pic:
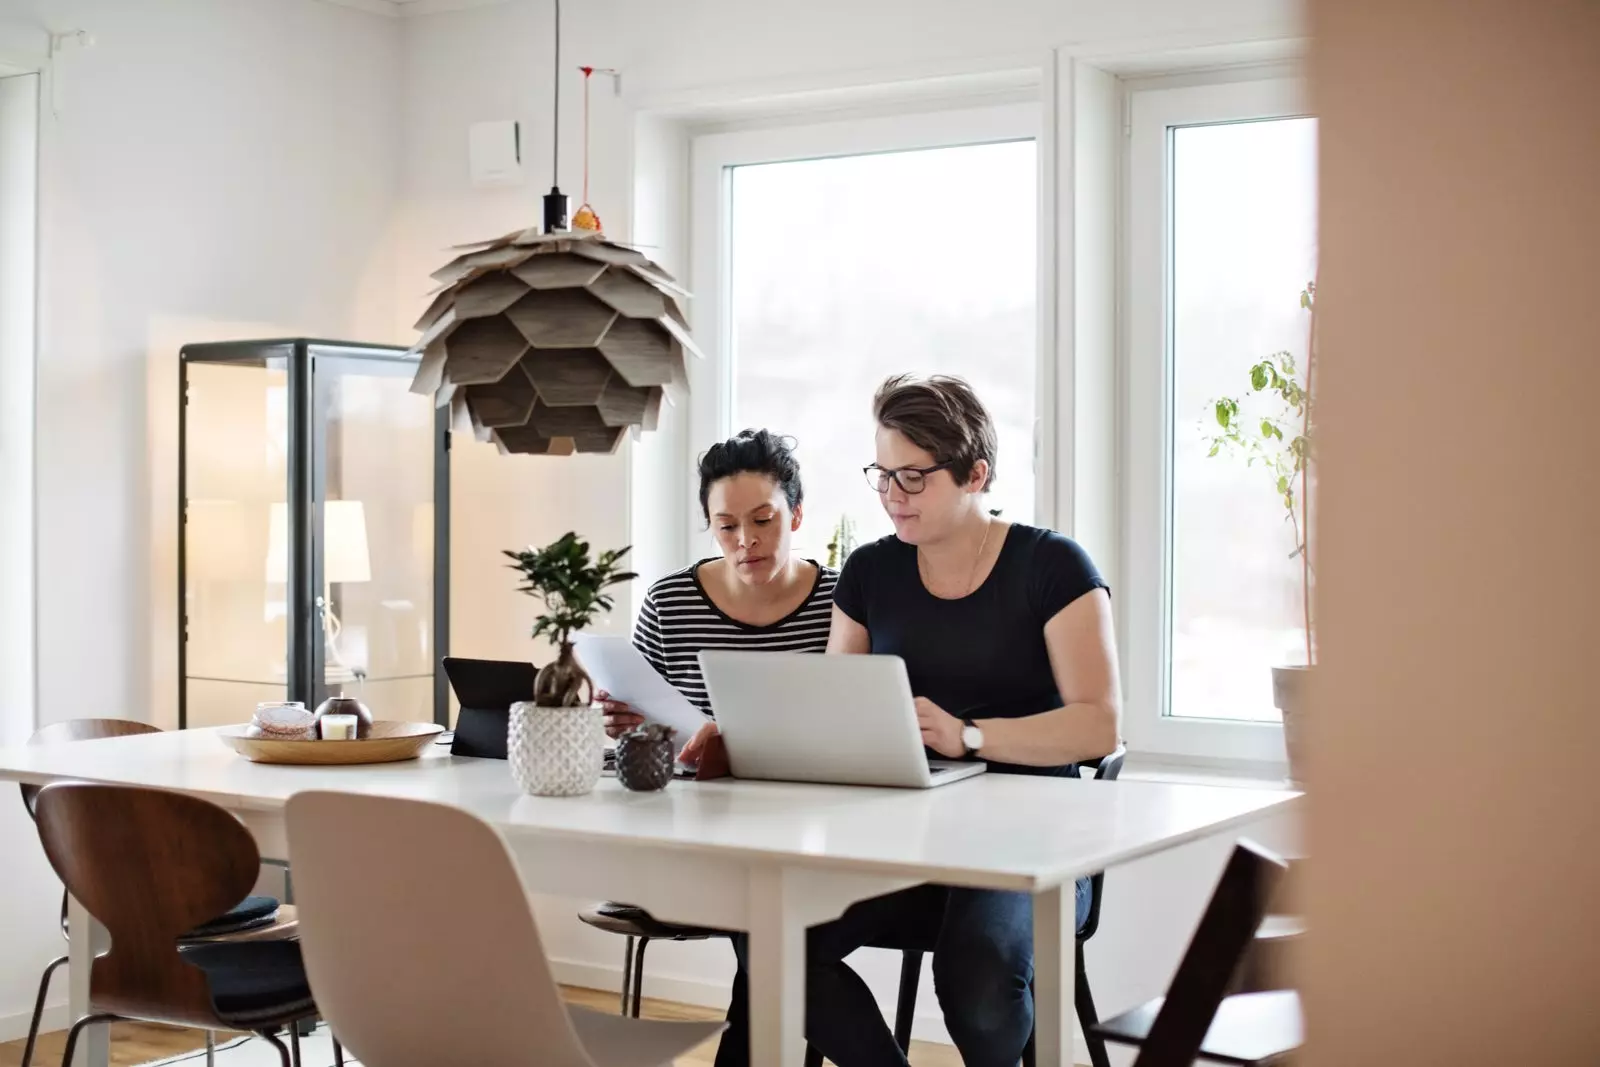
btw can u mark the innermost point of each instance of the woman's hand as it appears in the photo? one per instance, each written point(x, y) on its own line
point(696, 748)
point(941, 731)
point(619, 717)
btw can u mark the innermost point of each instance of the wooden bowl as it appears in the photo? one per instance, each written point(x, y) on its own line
point(389, 742)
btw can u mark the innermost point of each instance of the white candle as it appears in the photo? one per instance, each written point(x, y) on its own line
point(338, 727)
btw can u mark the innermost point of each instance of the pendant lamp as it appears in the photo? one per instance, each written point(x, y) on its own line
point(553, 342)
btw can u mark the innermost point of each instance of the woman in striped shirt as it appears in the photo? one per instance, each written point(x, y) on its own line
point(757, 596)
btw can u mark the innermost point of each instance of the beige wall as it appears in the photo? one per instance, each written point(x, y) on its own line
point(1455, 827)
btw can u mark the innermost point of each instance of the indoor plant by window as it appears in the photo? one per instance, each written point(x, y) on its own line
point(556, 744)
point(1274, 431)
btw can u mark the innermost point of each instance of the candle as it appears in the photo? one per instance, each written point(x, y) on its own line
point(338, 727)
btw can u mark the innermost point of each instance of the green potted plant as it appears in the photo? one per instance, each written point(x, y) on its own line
point(1275, 433)
point(556, 743)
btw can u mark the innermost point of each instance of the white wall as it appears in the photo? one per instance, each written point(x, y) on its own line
point(676, 60)
point(209, 169)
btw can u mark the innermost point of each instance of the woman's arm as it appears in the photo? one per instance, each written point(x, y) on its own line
point(1083, 657)
point(847, 636)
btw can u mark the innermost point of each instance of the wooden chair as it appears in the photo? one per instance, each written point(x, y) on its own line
point(257, 915)
point(373, 875)
point(152, 866)
point(1197, 1019)
point(1106, 769)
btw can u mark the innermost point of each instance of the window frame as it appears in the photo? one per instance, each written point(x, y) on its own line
point(713, 155)
point(1148, 426)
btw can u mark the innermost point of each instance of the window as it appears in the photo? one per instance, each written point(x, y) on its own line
point(834, 256)
point(1222, 241)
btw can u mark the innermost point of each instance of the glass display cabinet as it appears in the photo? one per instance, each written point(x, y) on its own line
point(313, 533)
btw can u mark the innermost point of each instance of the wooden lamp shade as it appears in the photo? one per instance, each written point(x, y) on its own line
point(553, 343)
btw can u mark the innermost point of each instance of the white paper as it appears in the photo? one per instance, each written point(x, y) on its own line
point(618, 668)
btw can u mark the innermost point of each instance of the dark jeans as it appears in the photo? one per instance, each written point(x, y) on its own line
point(982, 942)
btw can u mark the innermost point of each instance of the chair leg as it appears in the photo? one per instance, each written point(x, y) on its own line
point(338, 1053)
point(638, 977)
point(271, 1037)
point(38, 1009)
point(211, 1048)
point(627, 974)
point(77, 1028)
point(1087, 1016)
point(905, 1009)
point(294, 1042)
point(813, 1056)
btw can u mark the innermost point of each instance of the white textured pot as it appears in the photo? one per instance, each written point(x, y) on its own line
point(556, 752)
point(1291, 692)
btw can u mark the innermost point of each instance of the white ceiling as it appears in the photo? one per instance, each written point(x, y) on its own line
point(410, 8)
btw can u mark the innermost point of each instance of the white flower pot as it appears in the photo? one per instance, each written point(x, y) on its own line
point(556, 752)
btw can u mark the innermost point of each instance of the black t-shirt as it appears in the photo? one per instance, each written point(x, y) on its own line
point(982, 656)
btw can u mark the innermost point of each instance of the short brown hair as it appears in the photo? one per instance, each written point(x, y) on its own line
point(942, 415)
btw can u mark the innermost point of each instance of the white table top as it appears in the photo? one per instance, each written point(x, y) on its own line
point(992, 831)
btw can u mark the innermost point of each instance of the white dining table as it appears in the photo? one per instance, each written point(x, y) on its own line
point(768, 857)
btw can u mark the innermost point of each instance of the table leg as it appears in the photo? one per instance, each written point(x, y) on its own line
point(1054, 921)
point(777, 969)
point(87, 939)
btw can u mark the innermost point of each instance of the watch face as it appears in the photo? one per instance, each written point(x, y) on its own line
point(972, 737)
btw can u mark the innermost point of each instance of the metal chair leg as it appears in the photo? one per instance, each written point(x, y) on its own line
point(1087, 1016)
point(77, 1028)
point(627, 976)
point(38, 1009)
point(211, 1048)
point(813, 1056)
point(338, 1052)
point(638, 977)
point(294, 1042)
point(271, 1037)
point(905, 1010)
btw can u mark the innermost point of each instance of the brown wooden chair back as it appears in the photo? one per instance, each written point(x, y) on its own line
point(81, 730)
point(150, 866)
point(1220, 941)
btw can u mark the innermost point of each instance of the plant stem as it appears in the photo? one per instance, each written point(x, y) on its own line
point(1305, 476)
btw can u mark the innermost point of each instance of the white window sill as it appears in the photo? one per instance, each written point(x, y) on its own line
point(1237, 775)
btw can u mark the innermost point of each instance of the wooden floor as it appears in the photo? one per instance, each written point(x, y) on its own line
point(136, 1043)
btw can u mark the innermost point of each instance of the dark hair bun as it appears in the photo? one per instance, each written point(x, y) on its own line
point(752, 452)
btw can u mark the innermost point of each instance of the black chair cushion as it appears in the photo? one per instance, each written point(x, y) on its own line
point(631, 921)
point(1249, 1029)
point(254, 983)
point(248, 914)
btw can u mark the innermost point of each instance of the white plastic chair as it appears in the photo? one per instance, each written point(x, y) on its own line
point(422, 949)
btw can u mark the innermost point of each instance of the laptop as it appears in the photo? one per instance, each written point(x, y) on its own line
point(486, 689)
point(804, 717)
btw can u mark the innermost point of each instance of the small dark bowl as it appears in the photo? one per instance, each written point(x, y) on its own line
point(644, 758)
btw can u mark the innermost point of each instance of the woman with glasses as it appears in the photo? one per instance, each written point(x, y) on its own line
point(1006, 634)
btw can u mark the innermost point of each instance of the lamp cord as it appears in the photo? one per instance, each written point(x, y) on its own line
point(555, 154)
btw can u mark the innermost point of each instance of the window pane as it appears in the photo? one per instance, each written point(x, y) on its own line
point(1243, 247)
point(847, 270)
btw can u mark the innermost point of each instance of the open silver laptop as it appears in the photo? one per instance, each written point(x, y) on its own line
point(843, 720)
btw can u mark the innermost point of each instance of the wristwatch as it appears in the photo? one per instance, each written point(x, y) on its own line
point(971, 738)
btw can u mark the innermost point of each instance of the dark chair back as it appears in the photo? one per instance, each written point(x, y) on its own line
point(1223, 937)
point(150, 866)
point(1106, 769)
point(81, 730)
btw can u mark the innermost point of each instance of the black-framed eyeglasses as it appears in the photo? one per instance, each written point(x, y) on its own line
point(911, 480)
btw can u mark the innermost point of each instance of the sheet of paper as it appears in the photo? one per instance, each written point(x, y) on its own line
point(618, 668)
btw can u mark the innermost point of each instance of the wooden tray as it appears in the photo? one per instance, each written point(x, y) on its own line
point(390, 742)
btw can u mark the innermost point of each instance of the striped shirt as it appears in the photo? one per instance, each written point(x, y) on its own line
point(678, 619)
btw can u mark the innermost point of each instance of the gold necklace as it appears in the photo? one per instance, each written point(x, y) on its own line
point(972, 575)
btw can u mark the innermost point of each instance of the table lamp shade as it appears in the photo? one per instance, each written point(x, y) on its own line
point(344, 543)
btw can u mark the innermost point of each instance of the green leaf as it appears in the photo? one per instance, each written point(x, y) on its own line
point(1223, 413)
point(1258, 377)
point(1215, 445)
point(1267, 429)
point(1283, 483)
